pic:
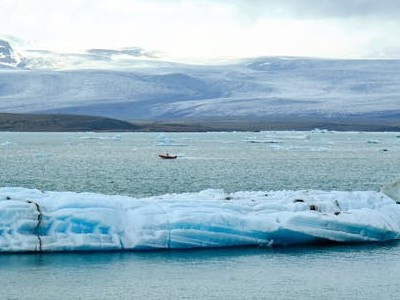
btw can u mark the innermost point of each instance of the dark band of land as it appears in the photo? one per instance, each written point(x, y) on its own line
point(71, 123)
point(61, 123)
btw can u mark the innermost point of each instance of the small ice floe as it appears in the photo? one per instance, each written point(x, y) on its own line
point(298, 148)
point(373, 142)
point(116, 137)
point(5, 143)
point(317, 130)
point(164, 141)
point(295, 137)
point(261, 141)
point(42, 155)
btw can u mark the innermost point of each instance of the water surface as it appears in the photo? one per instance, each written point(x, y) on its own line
point(128, 164)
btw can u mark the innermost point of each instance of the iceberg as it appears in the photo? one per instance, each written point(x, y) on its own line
point(37, 221)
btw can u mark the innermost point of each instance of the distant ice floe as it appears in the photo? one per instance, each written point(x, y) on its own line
point(116, 137)
point(261, 141)
point(276, 139)
point(317, 130)
point(31, 220)
point(165, 141)
point(5, 143)
point(298, 148)
point(373, 142)
point(42, 155)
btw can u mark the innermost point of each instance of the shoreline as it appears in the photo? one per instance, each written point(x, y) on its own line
point(71, 123)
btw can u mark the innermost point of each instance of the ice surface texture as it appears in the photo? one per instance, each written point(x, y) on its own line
point(31, 220)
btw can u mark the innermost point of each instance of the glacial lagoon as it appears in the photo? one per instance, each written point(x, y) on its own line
point(127, 164)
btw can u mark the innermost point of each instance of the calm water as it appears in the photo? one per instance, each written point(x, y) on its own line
point(128, 164)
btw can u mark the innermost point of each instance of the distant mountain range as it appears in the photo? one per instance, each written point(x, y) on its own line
point(133, 84)
point(8, 58)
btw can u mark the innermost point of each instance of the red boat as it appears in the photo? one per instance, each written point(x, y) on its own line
point(167, 156)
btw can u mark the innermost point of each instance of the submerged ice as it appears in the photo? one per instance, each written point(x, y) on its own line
point(31, 220)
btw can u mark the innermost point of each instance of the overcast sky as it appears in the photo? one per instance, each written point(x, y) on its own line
point(195, 30)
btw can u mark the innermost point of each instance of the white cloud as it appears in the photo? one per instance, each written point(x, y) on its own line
point(204, 29)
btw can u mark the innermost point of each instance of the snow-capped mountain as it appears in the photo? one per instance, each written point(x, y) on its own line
point(8, 57)
point(131, 83)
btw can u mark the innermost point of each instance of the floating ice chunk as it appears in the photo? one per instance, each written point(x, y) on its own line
point(42, 155)
point(373, 142)
point(261, 141)
point(392, 190)
point(31, 220)
point(5, 143)
point(317, 130)
point(298, 148)
point(116, 137)
point(165, 141)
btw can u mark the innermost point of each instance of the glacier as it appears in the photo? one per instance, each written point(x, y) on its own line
point(132, 84)
point(48, 221)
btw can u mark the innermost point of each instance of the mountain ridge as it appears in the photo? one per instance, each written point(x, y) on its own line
point(38, 123)
point(264, 87)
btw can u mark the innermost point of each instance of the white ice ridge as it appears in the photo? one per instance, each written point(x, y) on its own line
point(31, 220)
